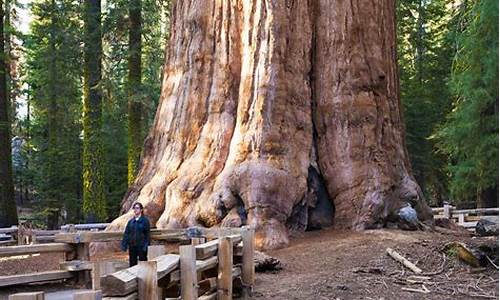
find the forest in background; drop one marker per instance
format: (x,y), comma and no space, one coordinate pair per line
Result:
(448,66)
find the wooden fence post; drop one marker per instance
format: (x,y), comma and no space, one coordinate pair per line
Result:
(225,276)
(189,284)
(447,211)
(147,280)
(155,251)
(197,241)
(248,265)
(28,296)
(83,254)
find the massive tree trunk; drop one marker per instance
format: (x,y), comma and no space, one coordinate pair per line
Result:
(280,115)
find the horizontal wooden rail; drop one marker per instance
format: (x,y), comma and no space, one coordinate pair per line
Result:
(32,249)
(108,236)
(12,229)
(85,226)
(34,277)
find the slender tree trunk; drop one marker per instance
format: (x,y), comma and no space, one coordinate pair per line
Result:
(279,115)
(94,205)
(8,211)
(135,137)
(53,200)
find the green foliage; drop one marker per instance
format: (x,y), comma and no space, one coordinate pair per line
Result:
(425,51)
(54,152)
(469,137)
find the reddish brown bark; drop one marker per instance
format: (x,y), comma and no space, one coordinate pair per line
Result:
(271,113)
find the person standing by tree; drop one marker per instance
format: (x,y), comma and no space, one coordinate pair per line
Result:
(137,236)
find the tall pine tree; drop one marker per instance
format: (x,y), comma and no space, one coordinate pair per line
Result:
(94,204)
(8,211)
(470,135)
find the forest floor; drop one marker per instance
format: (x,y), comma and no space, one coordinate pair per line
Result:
(332,264)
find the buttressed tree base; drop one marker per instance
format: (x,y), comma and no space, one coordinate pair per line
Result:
(280,115)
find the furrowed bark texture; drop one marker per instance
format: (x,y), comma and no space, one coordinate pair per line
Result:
(277,114)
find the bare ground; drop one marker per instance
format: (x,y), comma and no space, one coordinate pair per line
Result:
(331,264)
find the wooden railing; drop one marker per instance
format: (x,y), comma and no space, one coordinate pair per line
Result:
(204,268)
(467,218)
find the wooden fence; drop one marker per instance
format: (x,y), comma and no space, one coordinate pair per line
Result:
(467,218)
(204,267)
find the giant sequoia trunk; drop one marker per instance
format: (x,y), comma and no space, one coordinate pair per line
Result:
(278,114)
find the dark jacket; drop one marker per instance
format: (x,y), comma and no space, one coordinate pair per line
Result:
(137,234)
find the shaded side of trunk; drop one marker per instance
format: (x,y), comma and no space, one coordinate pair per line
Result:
(135,138)
(358,116)
(8,211)
(94,205)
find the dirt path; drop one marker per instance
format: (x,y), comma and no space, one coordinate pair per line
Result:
(349,265)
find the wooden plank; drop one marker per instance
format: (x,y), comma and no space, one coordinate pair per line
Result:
(189,290)
(87,295)
(132,296)
(108,236)
(210,248)
(28,296)
(212,296)
(12,229)
(224,277)
(7,243)
(124,282)
(34,277)
(85,226)
(75,265)
(476,211)
(147,280)
(208,285)
(197,241)
(248,265)
(32,249)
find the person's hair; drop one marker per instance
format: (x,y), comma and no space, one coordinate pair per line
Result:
(138,204)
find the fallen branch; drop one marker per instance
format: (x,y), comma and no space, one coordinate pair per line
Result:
(424,290)
(491,262)
(403,260)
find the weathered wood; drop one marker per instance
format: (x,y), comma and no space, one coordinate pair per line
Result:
(87,295)
(31,249)
(197,241)
(248,264)
(34,277)
(8,243)
(75,265)
(403,260)
(84,226)
(147,280)
(132,296)
(189,290)
(210,248)
(155,251)
(225,278)
(108,236)
(28,296)
(124,282)
(12,229)
(212,296)
(208,285)
(447,211)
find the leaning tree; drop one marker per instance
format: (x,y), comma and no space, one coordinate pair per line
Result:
(280,115)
